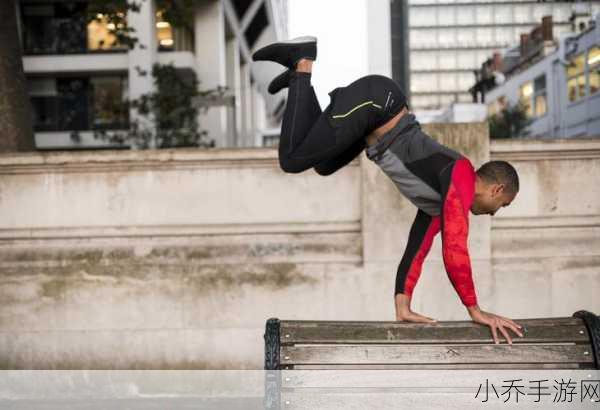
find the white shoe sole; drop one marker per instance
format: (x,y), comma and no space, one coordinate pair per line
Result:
(298,40)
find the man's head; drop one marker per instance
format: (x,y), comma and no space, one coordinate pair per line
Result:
(496,186)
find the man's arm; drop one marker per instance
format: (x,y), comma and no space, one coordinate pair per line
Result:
(460,186)
(422,232)
(459,190)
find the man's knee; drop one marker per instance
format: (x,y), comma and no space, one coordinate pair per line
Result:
(324,171)
(289,167)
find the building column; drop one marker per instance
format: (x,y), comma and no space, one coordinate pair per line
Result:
(209,35)
(246,106)
(141,59)
(379,43)
(234,83)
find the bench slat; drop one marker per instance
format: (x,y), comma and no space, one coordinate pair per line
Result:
(432,354)
(426,334)
(553,321)
(472,366)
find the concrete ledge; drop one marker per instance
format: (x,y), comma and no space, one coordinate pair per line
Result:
(539,149)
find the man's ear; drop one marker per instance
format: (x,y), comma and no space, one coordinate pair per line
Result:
(498,189)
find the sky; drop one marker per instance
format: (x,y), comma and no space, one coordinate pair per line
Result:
(341,30)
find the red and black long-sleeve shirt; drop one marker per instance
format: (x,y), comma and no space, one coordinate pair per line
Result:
(441,183)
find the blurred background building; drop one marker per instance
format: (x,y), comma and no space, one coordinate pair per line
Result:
(556,81)
(448,40)
(77,76)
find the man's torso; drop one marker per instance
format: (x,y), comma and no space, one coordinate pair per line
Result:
(414,162)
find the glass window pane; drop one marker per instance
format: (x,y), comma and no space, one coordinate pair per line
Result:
(447,37)
(448,82)
(540,10)
(164,33)
(561,13)
(446,15)
(421,16)
(503,36)
(595,79)
(424,82)
(484,36)
(525,97)
(576,66)
(466,58)
(540,105)
(581,85)
(465,37)
(540,84)
(423,60)
(572,89)
(447,60)
(526,90)
(423,38)
(503,14)
(593,56)
(465,15)
(99,34)
(466,80)
(107,98)
(424,101)
(484,14)
(522,14)
(74,103)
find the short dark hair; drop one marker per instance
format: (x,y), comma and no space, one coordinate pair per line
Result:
(500,172)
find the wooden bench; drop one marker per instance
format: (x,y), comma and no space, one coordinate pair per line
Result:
(549,343)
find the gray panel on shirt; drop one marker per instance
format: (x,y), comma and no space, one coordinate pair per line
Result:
(415,189)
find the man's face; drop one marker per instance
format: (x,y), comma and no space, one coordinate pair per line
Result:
(491,199)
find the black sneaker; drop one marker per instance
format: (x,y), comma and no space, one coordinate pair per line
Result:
(288,52)
(280,82)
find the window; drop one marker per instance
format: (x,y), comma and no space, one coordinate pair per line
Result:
(533,96)
(78,103)
(108,108)
(99,34)
(593,62)
(576,78)
(497,106)
(423,60)
(164,33)
(540,101)
(65,27)
(525,95)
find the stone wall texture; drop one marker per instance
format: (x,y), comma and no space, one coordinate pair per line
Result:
(174,259)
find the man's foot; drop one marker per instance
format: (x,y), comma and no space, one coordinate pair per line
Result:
(288,52)
(280,82)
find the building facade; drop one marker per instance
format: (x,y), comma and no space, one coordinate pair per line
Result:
(561,91)
(79,72)
(448,40)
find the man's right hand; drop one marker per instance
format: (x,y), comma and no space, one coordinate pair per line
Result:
(404,314)
(495,322)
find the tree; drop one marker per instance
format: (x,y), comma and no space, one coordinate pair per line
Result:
(169,114)
(16,132)
(511,122)
(171,109)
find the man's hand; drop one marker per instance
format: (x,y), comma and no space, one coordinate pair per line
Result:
(495,322)
(404,314)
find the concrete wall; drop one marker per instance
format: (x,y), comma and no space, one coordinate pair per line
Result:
(176,258)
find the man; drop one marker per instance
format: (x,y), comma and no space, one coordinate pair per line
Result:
(372,113)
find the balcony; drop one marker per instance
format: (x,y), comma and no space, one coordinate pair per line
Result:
(79,103)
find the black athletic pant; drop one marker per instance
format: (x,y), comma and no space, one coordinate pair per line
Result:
(327,140)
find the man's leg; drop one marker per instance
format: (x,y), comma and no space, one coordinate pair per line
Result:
(306,135)
(307,142)
(329,166)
